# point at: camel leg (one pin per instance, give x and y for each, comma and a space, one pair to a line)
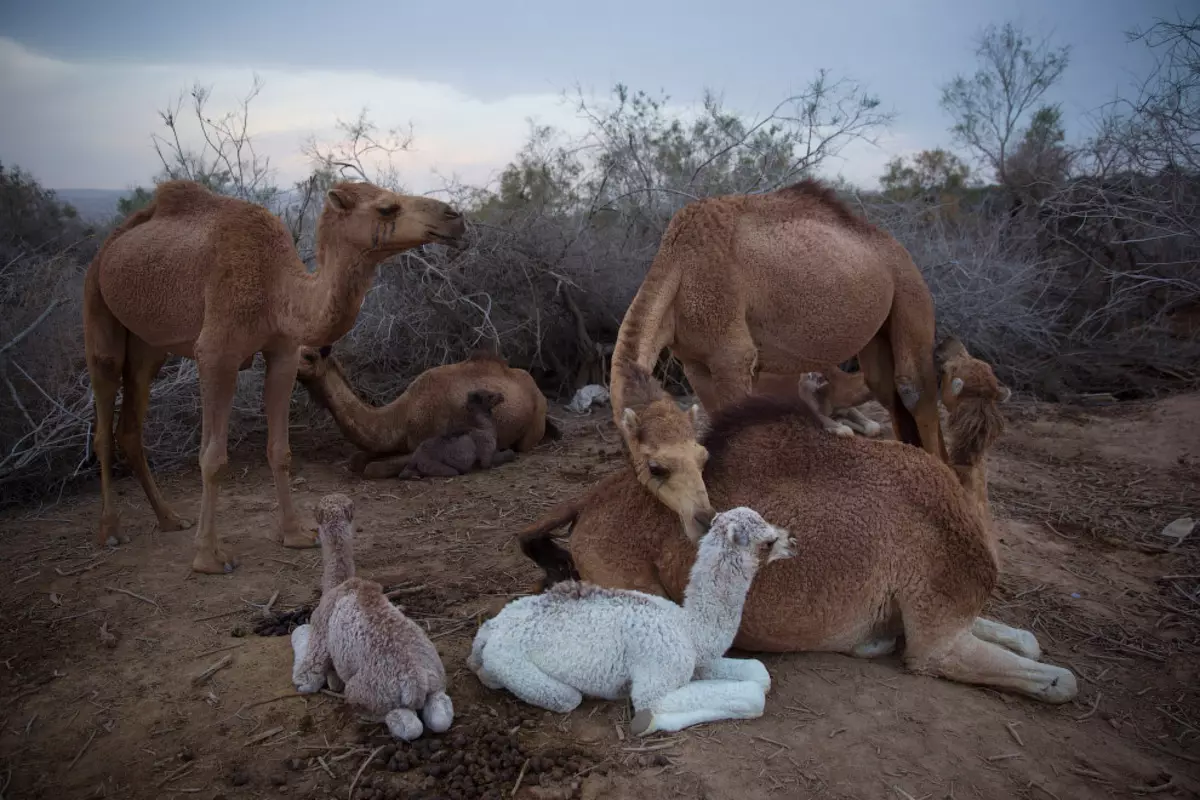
875, 361
436, 469
218, 382
503, 457
438, 713
735, 669
529, 683
104, 347
1021, 642
702, 384
733, 368
385, 467
312, 660
699, 702
911, 333
860, 422
277, 397
968, 659
142, 364
404, 724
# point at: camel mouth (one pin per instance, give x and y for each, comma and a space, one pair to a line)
456, 241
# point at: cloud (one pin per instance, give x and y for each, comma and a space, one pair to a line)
88, 125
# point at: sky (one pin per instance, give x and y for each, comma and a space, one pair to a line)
81, 81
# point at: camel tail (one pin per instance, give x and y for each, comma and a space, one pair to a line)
537, 543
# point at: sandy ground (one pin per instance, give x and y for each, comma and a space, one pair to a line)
1080, 494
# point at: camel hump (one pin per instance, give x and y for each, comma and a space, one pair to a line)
809, 194
179, 197
487, 355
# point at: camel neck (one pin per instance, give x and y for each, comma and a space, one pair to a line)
339, 563
375, 429
715, 596
321, 307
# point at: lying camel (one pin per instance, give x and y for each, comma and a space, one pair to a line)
218, 279
459, 451
914, 559
429, 407
782, 282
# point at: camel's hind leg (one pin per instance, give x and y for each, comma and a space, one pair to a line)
875, 360
969, 659
142, 364
529, 683
104, 347
732, 369
699, 702
277, 397
702, 384
911, 333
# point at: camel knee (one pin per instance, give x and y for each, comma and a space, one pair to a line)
909, 391
214, 461
279, 456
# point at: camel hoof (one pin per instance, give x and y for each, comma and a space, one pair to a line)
217, 563
844, 431
871, 429
174, 524
300, 541
1026, 644
1062, 688
642, 723
358, 462
909, 394
111, 541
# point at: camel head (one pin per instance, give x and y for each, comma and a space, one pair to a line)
335, 515
965, 377
483, 400
744, 529
664, 451
372, 219
314, 363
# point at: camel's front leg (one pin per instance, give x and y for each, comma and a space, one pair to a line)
1021, 642
735, 669
277, 396
312, 661
860, 422
218, 382
969, 659
699, 702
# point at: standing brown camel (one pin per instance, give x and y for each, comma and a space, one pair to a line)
783, 282
430, 406
218, 279
912, 559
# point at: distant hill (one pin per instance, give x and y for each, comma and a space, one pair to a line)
93, 205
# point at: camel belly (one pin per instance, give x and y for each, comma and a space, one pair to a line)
152, 280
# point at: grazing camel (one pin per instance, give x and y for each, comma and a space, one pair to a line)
218, 279
972, 395
457, 452
777, 283
430, 406
913, 558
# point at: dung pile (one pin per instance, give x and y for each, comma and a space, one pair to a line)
283, 623
477, 759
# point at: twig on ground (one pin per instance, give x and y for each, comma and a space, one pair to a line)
176, 773
135, 595
82, 750
520, 777
1011, 727
1092, 710
362, 767
212, 670
267, 734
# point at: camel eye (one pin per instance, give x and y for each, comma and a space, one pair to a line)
658, 470
389, 211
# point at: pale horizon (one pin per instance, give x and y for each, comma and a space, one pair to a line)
82, 99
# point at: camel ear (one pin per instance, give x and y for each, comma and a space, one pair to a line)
1005, 394
340, 199
956, 386
694, 414
739, 536
629, 423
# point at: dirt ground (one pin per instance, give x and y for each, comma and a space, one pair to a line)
1080, 495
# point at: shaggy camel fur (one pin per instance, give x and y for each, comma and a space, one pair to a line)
914, 559
386, 664
972, 395
430, 406
218, 279
776, 283
577, 639
457, 453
